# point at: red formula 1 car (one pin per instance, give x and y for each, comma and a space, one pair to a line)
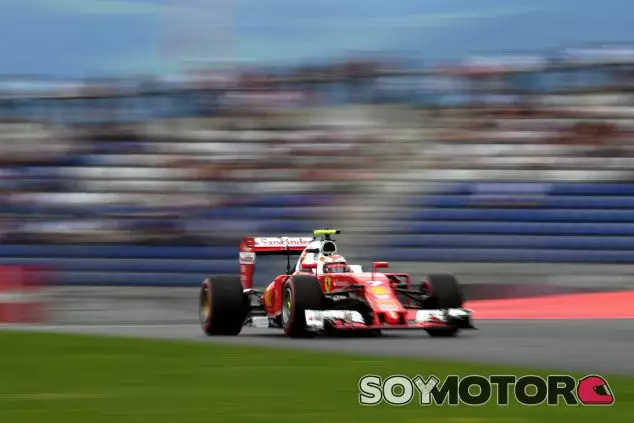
322, 293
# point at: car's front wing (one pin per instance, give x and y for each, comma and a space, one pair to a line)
319, 320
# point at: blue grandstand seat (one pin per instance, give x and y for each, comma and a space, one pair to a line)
144, 265
252, 226
558, 202
288, 226
507, 255
300, 200
527, 222
118, 252
514, 242
555, 188
527, 215
516, 228
257, 212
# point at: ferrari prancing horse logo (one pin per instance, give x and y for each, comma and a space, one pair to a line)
328, 284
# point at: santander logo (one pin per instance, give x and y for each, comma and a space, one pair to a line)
282, 242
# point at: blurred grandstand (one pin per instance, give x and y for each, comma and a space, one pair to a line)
152, 181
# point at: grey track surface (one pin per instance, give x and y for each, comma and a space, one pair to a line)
591, 346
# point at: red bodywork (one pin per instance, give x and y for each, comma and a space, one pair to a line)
376, 288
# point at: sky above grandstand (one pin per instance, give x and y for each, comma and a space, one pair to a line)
94, 37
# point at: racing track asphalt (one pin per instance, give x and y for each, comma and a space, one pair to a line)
591, 346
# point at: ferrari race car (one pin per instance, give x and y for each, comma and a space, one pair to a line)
322, 293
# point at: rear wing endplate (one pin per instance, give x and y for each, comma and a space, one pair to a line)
252, 246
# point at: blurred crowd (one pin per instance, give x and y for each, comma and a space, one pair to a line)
568, 118
151, 160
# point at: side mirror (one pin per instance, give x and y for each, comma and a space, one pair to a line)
380, 265
309, 266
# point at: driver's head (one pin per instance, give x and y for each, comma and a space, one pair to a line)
336, 264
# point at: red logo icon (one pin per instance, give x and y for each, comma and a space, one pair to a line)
594, 390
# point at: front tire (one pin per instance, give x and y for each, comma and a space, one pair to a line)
442, 333
222, 306
445, 293
300, 293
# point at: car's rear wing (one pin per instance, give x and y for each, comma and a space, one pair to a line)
250, 247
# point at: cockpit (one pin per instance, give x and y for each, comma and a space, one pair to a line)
321, 253
336, 268
321, 256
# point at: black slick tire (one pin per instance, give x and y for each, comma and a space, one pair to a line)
300, 293
222, 305
445, 293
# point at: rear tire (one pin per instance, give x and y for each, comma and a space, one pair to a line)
300, 293
223, 306
445, 293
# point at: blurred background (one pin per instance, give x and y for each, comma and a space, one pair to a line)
140, 140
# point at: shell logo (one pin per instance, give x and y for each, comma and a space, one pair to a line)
267, 299
379, 290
